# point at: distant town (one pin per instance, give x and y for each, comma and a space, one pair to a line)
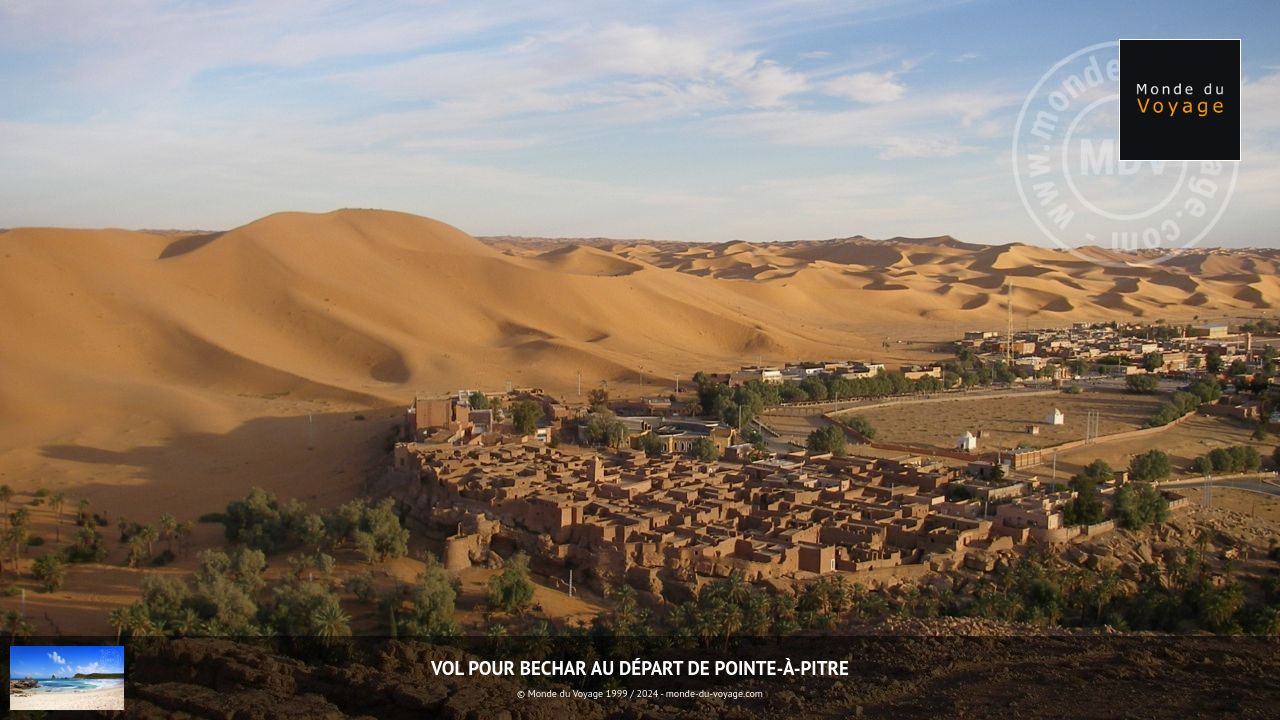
663, 491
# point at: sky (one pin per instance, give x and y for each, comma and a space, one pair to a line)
39, 661
704, 121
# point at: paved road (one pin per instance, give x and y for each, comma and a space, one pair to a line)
1264, 483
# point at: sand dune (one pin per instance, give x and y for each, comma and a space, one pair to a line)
139, 363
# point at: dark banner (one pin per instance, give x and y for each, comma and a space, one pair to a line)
1094, 676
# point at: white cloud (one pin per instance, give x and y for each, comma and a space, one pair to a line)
56, 658
93, 667
867, 87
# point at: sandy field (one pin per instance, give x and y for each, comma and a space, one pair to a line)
104, 699
1004, 421
153, 373
1254, 505
1184, 442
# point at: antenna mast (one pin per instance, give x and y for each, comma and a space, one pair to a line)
1008, 333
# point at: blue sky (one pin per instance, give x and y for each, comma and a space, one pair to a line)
39, 661
668, 120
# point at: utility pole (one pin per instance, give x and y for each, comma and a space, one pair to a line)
677, 383
579, 383
570, 582
311, 432
1008, 348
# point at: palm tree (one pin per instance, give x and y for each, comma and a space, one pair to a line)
137, 550
55, 501
6, 494
121, 619
183, 532
168, 528
140, 622
82, 512
330, 621
19, 522
149, 536
15, 623
187, 622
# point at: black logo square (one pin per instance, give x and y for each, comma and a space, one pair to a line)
1179, 99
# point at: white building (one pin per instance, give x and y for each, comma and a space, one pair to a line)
968, 442
1056, 417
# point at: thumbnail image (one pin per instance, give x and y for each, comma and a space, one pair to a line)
66, 677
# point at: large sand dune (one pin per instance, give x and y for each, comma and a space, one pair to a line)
171, 370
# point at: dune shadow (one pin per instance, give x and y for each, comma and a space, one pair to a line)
305, 455
188, 244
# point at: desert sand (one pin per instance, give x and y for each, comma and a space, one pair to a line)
111, 698
170, 372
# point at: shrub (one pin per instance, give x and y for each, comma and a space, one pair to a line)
1142, 384
862, 425
35, 541
361, 585
214, 518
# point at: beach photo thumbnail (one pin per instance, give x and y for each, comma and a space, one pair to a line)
66, 677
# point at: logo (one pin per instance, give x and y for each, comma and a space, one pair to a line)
1071, 180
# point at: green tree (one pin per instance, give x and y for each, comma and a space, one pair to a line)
433, 598
511, 591
50, 571
598, 399
1150, 466
1152, 361
705, 450
1086, 508
651, 444
1142, 384
525, 415
827, 438
478, 401
1140, 504
604, 428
